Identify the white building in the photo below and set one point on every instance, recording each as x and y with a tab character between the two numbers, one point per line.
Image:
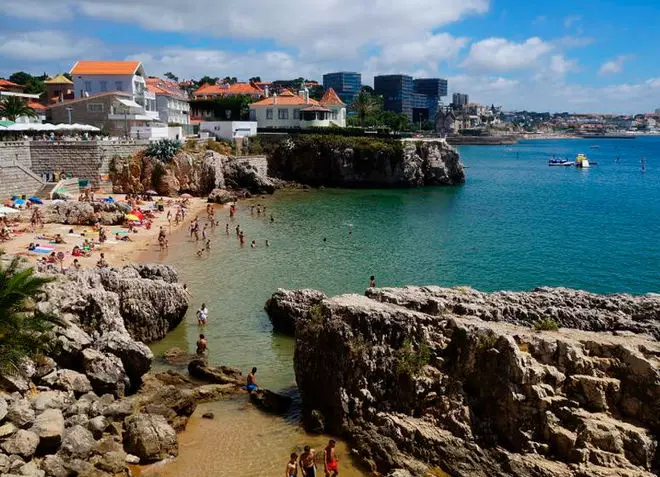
298	111
229	129
94	77
171	101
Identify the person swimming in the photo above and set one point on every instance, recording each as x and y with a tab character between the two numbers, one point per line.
202	345
251	384
253	244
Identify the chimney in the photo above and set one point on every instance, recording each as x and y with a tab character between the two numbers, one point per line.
266	91
306	93
274	98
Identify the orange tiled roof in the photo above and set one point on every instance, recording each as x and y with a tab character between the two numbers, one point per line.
165	87
37	106
105	67
286	98
4	82
225	89
330	98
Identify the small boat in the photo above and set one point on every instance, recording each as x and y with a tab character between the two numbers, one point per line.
559	162
582	162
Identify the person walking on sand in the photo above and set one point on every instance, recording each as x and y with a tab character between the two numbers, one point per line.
372	281
202	345
292	466
202	315
306	462
330	459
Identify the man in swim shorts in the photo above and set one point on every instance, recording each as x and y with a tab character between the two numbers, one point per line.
292	466
251	384
330	460
307	463
202	345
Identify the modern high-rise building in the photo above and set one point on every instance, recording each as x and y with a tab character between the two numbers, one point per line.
460	100
346	84
418	99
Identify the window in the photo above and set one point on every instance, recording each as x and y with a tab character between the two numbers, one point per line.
94	107
282	113
253	115
269	113
88	86
334	115
104	85
296	114
119	86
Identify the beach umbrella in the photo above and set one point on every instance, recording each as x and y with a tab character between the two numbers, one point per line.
132	217
151	192
19	202
36	200
186	196
109	200
138	214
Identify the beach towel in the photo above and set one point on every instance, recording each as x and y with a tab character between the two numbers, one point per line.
43	249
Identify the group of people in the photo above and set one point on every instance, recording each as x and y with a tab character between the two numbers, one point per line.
306	462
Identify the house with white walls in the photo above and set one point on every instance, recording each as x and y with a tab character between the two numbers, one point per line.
298	111
171	101
96	77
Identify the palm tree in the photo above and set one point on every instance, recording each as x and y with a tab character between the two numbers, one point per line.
365	104
21	327
12	107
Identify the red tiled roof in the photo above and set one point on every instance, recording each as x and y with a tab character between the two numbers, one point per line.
286	98
105	68
165	87
224	89
4	82
37	106
330	98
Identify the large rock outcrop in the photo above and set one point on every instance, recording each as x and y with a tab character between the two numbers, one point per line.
365	162
84	213
417	386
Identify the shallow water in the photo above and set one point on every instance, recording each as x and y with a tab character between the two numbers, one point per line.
515	224
242	441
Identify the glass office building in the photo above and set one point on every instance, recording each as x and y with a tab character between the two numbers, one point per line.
418	99
346	84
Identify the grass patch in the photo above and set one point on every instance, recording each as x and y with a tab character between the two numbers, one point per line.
546	324
411	361
487	341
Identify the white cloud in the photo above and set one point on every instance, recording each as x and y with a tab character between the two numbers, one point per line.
500	55
570	20
560	65
296	22
612	66
46	45
570	41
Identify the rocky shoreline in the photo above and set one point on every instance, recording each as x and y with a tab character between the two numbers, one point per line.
423	378
91	407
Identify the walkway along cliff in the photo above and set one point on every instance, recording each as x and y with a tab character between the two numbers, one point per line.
428	377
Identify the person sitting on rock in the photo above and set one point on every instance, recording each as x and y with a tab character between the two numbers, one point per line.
252	381
102	263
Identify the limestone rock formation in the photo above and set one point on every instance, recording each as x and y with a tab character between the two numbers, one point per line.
84	213
418	380
286	307
365	162
150	438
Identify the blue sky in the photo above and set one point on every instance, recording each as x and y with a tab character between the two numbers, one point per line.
590	56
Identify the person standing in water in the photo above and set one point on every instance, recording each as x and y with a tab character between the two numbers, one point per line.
307	462
202	345
292	466
372	281
330	460
227	229
202	315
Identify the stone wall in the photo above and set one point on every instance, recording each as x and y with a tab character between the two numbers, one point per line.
15	151
16	180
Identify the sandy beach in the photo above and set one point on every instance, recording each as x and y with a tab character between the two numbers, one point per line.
116	252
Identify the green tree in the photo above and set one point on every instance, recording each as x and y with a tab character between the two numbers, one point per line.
316	92
230	80
20	77
34	86
367	89
394	121
67	76
171	76
207	79
12	107
21	327
255	79
365	105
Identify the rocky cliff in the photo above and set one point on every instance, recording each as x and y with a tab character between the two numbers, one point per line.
74	411
365	162
196	173
430	378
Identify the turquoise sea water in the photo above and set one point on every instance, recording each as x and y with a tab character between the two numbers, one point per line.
515	224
